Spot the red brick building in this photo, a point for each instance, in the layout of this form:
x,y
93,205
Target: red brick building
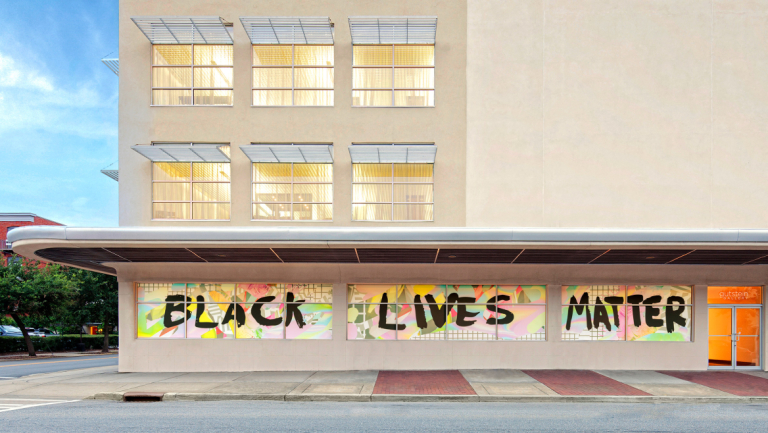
x,y
10,221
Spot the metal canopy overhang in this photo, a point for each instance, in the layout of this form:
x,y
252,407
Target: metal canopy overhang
x,y
387,153
97,248
185,29
288,30
182,152
393,30
301,153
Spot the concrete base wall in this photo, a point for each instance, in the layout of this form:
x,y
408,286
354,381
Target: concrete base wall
x,y
148,355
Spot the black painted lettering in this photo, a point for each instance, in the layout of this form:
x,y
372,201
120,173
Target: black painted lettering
x,y
235,312
615,300
199,313
292,311
675,315
635,300
258,317
168,321
601,315
580,307
652,312
421,316
439,314
508,317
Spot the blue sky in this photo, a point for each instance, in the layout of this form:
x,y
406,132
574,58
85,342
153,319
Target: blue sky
x,y
58,110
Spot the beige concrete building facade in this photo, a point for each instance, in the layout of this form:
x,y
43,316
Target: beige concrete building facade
x,y
472,184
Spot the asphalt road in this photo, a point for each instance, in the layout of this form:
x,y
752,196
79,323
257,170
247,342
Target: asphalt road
x,y
100,416
50,365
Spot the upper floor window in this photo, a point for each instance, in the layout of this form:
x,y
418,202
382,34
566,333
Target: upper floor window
x,y
192,74
292,75
191,190
392,192
393,76
292,191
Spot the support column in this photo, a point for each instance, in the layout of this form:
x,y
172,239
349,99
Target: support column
x,y
554,295
126,307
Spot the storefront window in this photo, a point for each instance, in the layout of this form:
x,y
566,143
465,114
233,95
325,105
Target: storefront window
x,y
446,312
627,313
234,310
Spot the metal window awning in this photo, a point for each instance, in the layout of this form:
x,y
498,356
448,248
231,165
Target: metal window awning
x,y
387,153
393,30
288,30
112,174
113,65
185,30
182,152
301,153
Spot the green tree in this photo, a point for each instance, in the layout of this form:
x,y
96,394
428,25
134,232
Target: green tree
x,y
31,289
96,300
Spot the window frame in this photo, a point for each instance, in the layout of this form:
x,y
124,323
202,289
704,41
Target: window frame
x,y
191,183
191,67
393,68
393,202
626,305
233,301
293,68
446,332
254,183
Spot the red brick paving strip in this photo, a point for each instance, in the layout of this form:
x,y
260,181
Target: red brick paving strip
x,y
727,381
581,382
439,382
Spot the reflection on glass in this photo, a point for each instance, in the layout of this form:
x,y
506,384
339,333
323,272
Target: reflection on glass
x,y
272,97
720,351
171,54
720,321
747,321
747,351
172,77
213,55
171,97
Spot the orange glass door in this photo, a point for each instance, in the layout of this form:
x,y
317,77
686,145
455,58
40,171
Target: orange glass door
x,y
747,336
721,337
734,337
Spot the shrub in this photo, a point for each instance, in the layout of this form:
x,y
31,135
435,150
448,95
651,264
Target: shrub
x,y
54,343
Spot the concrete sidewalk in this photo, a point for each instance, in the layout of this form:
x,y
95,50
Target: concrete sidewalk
x,y
466,385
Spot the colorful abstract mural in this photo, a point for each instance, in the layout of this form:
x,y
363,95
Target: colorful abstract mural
x,y
626,313
446,312
234,310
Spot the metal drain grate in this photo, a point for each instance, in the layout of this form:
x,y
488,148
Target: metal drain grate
x,y
143,397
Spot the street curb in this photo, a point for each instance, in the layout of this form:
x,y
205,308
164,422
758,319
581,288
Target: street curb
x,y
424,398
116,396
192,396
328,397
402,398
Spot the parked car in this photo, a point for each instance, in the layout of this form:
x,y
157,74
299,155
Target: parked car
x,y
10,331
45,332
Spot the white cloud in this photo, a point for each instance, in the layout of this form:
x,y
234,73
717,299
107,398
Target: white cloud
x,y
31,100
12,76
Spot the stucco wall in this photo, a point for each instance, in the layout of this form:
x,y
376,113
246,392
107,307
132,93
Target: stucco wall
x,y
241,124
340,354
609,113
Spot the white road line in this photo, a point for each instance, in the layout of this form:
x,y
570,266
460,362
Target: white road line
x,y
27,406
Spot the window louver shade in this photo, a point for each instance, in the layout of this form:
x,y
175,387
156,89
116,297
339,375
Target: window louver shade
x,y
288,30
400,153
301,153
393,30
185,30
182,152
